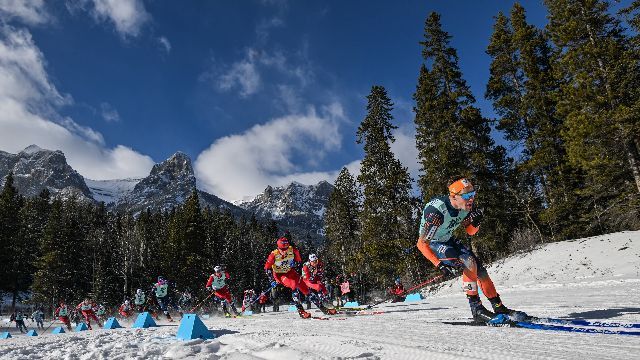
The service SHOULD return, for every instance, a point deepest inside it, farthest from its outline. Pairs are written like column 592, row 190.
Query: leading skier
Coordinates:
column 280, row 268
column 440, row 217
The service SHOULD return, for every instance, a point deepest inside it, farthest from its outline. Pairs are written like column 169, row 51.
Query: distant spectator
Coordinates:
column 397, row 291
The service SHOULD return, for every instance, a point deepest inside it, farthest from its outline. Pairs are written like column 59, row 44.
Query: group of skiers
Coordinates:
column 19, row 317
column 284, row 267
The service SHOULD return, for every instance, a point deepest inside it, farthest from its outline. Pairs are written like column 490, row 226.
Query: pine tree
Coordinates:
column 193, row 242
column 62, row 268
column 341, row 223
column 524, row 90
column 105, row 285
column 15, row 256
column 598, row 100
column 33, row 216
column 386, row 208
column 453, row 138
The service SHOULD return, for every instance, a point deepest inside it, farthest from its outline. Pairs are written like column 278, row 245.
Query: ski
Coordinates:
column 604, row 324
column 350, row 308
column 325, row 318
column 359, row 312
column 567, row 328
column 547, row 327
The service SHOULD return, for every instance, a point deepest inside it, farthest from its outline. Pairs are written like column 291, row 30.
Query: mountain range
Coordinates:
column 296, row 207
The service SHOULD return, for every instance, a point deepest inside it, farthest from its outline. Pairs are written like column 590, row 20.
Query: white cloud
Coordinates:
column 239, row 165
column 164, row 42
column 264, row 27
column 30, row 12
column 404, row 149
column 128, row 16
column 290, row 98
column 28, row 115
column 109, row 113
column 242, row 75
column 245, row 75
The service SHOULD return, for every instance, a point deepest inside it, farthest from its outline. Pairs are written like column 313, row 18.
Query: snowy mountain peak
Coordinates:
column 168, row 185
column 177, row 165
column 31, row 149
column 298, row 207
column 35, row 169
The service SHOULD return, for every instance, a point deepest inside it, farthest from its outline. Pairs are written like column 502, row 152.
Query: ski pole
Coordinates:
column 425, row 283
column 262, row 293
column 201, row 302
column 419, row 286
column 52, row 321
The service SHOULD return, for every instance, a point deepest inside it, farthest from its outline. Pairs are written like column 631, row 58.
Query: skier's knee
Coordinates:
column 482, row 272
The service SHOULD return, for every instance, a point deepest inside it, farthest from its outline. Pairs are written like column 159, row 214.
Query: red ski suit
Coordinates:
column 397, row 290
column 312, row 276
column 220, row 286
column 87, row 312
column 125, row 310
column 64, row 318
column 279, row 261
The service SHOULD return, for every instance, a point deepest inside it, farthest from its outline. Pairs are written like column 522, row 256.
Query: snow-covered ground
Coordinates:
column 109, row 191
column 596, row 278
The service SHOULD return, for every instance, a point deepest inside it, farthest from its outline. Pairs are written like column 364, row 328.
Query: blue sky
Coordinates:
column 257, row 93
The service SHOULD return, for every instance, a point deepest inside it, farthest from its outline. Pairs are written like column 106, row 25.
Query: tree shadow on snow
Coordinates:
column 221, row 332
column 604, row 313
column 409, row 310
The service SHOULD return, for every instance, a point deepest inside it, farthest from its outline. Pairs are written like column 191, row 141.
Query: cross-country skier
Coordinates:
column 219, row 283
column 101, row 312
column 247, row 298
column 440, row 217
column 397, row 291
column 161, row 289
column 185, row 300
column 88, row 308
column 125, row 310
column 18, row 317
column 38, row 317
column 63, row 312
column 281, row 269
column 312, row 275
column 140, row 300
column 262, row 303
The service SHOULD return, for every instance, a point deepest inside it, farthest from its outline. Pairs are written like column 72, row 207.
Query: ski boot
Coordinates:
column 499, row 308
column 327, row 311
column 480, row 314
column 169, row 318
column 303, row 314
column 235, row 311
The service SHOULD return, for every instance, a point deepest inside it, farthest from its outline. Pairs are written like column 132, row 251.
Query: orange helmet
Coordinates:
column 461, row 186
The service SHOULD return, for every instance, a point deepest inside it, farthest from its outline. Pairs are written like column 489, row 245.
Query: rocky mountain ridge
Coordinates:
column 296, row 207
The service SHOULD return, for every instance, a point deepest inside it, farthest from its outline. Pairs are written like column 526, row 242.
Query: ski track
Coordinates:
column 604, row 288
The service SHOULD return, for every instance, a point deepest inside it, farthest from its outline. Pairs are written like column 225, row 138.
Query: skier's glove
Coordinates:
column 476, row 216
column 449, row 271
column 272, row 280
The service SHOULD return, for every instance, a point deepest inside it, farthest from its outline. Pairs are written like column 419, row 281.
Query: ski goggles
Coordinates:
column 469, row 195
